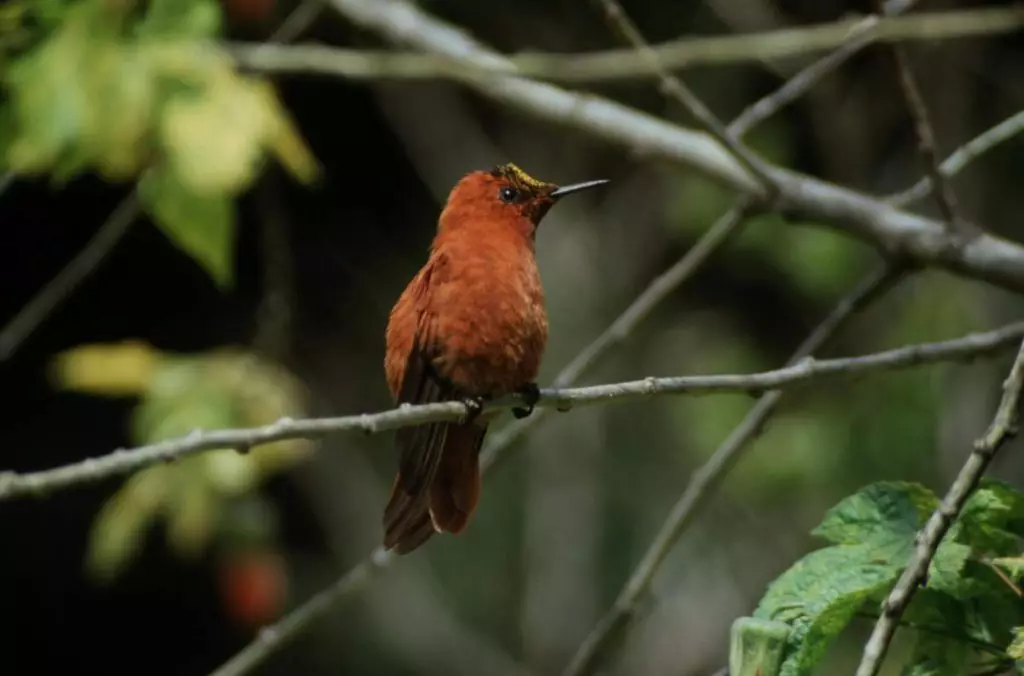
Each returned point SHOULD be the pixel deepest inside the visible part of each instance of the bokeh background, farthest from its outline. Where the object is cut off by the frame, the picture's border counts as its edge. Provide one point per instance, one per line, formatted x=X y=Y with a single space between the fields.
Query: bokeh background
x=569 y=513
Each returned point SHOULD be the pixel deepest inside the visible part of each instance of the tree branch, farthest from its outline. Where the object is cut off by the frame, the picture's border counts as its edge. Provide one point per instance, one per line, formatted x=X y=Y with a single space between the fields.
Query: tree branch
x=1003 y=426
x=944 y=195
x=690 y=52
x=618 y=618
x=673 y=87
x=124 y=461
x=961 y=157
x=924 y=240
x=626 y=64
x=57 y=289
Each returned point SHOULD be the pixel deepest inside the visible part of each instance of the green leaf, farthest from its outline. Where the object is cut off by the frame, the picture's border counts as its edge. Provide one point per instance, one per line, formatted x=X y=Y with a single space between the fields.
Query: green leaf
x=180 y=19
x=201 y=225
x=1016 y=648
x=938 y=651
x=756 y=646
x=1011 y=565
x=992 y=520
x=819 y=595
x=883 y=514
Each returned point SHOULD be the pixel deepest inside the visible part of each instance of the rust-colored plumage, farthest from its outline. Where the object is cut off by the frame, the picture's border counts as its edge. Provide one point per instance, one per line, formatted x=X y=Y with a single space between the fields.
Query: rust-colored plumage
x=470 y=325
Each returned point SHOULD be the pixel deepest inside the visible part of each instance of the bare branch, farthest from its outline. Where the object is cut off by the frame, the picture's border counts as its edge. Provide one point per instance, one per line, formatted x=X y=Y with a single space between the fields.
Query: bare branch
x=673 y=87
x=862 y=34
x=124 y=461
x=918 y=110
x=963 y=156
x=707 y=477
x=984 y=257
x=275 y=636
x=57 y=289
x=690 y=52
x=616 y=65
x=1003 y=426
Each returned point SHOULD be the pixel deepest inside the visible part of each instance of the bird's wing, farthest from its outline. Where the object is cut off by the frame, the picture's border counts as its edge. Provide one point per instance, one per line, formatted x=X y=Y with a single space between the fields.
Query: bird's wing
x=420 y=447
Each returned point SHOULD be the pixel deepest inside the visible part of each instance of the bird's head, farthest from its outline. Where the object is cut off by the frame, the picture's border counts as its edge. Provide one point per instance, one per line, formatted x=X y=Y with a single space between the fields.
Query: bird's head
x=504 y=195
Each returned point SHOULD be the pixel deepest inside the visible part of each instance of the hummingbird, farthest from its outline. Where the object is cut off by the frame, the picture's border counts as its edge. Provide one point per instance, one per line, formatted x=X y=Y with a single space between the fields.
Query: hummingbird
x=471 y=326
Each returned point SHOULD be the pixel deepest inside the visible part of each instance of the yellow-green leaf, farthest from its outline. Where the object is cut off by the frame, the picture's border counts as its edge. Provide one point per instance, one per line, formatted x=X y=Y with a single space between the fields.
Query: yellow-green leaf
x=214 y=139
x=120 y=369
x=201 y=225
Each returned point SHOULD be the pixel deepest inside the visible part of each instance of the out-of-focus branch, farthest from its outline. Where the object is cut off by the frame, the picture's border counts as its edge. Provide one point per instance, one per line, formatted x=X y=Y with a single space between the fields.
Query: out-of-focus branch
x=922 y=239
x=1003 y=426
x=707 y=477
x=124 y=461
x=860 y=36
x=623 y=64
x=673 y=87
x=918 y=109
x=67 y=280
x=961 y=157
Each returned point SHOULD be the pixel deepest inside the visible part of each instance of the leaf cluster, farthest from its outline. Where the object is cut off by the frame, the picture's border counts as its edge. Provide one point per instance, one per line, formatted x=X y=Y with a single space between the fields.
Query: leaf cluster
x=967 y=617
x=141 y=90
x=203 y=496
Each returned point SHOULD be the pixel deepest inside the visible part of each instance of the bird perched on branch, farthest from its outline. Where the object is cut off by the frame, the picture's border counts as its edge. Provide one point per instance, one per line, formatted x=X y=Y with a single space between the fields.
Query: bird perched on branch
x=470 y=326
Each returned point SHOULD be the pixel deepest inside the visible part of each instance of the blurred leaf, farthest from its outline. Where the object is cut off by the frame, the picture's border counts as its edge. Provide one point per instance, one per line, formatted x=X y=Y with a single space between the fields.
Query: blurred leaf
x=201 y=225
x=122 y=95
x=122 y=369
x=287 y=144
x=191 y=518
x=936 y=653
x=1016 y=648
x=120 y=527
x=1011 y=565
x=214 y=139
x=180 y=19
x=992 y=520
x=47 y=90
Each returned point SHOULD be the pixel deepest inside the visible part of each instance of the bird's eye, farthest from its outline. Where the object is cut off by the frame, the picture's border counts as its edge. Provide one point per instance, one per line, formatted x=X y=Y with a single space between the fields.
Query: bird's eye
x=508 y=194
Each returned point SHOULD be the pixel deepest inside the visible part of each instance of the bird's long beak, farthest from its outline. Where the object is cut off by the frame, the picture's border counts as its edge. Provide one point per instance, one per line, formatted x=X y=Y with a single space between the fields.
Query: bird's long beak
x=564 y=190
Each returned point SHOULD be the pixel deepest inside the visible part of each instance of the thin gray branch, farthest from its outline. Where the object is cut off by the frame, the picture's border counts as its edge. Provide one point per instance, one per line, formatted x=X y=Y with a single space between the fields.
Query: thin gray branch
x=961 y=157
x=275 y=636
x=918 y=109
x=124 y=461
x=707 y=477
x=690 y=52
x=674 y=88
x=1003 y=426
x=862 y=34
x=67 y=280
x=922 y=239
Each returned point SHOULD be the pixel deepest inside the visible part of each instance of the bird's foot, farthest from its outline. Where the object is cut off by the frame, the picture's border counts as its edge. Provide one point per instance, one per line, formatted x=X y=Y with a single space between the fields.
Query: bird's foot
x=474 y=407
x=531 y=394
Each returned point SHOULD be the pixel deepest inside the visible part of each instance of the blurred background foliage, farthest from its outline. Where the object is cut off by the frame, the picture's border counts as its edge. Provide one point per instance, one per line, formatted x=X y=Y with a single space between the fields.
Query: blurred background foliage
x=281 y=220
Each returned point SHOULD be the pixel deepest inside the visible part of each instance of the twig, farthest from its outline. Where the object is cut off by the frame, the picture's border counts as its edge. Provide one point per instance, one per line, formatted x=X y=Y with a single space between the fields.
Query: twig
x=673 y=87
x=617 y=65
x=923 y=240
x=57 y=289
x=275 y=636
x=961 y=157
x=862 y=34
x=966 y=347
x=918 y=110
x=690 y=52
x=299 y=20
x=707 y=477
x=1003 y=426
